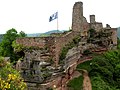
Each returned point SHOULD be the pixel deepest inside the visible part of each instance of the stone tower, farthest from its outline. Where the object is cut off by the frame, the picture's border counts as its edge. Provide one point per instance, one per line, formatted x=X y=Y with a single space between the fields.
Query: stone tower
x=92 y=18
x=77 y=17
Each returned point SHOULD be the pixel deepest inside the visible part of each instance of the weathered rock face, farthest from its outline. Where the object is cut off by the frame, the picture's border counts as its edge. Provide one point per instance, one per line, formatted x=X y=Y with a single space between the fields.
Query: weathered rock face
x=71 y=58
x=72 y=52
x=34 y=67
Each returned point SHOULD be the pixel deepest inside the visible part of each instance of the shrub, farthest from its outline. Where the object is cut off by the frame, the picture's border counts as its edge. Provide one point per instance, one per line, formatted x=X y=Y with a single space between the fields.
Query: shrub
x=10 y=79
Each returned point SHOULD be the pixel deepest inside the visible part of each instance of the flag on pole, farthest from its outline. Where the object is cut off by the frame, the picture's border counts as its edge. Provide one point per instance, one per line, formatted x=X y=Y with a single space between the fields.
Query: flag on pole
x=53 y=16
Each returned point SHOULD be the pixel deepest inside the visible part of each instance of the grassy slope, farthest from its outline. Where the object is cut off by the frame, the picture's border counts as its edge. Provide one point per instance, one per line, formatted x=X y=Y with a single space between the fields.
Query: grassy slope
x=76 y=83
x=84 y=65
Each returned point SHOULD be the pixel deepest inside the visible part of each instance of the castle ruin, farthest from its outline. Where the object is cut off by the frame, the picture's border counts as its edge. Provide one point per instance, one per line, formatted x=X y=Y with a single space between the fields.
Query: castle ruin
x=41 y=66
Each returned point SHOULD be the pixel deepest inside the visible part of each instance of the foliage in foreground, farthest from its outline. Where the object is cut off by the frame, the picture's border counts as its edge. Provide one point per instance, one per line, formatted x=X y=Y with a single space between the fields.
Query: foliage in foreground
x=9 y=78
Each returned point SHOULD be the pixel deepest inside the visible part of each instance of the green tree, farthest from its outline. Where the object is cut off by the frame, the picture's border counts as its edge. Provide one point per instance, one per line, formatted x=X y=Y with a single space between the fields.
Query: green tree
x=99 y=84
x=101 y=66
x=8 y=38
x=107 y=66
x=6 y=49
x=22 y=34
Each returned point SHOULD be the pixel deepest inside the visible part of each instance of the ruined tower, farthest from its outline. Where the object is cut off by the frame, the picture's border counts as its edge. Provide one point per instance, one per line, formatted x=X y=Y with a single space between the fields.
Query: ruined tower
x=77 y=17
x=92 y=18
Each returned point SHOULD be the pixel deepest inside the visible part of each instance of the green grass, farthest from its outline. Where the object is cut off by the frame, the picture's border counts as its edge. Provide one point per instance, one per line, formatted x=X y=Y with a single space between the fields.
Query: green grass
x=84 y=65
x=76 y=83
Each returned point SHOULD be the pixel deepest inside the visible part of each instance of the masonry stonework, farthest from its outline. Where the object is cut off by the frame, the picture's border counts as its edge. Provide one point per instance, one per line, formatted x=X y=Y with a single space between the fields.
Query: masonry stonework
x=95 y=25
x=77 y=18
x=92 y=19
x=114 y=36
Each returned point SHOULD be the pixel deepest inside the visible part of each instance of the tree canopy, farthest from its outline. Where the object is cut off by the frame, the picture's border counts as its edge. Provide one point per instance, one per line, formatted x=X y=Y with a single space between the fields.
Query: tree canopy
x=6 y=49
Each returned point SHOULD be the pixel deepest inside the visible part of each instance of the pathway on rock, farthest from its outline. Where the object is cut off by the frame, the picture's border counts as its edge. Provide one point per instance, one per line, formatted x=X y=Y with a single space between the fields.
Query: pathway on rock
x=86 y=82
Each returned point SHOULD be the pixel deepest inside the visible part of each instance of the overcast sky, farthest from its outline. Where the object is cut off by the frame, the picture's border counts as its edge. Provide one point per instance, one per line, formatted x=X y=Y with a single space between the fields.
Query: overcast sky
x=32 y=16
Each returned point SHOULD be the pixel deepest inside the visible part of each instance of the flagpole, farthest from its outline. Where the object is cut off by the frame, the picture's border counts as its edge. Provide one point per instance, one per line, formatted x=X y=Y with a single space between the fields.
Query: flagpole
x=57 y=20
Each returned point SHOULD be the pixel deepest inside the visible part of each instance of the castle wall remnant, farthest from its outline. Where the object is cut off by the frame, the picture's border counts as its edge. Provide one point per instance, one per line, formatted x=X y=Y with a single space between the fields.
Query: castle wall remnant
x=31 y=41
x=114 y=36
x=86 y=27
x=77 y=17
x=92 y=19
x=95 y=25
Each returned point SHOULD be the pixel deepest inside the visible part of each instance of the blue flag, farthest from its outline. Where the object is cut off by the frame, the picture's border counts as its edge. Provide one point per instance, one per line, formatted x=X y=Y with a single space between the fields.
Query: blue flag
x=53 y=16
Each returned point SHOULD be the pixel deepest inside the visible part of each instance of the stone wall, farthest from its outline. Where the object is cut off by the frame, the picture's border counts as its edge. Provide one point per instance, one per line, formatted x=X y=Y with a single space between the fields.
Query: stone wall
x=36 y=41
x=31 y=41
x=114 y=35
x=92 y=19
x=95 y=25
x=86 y=27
